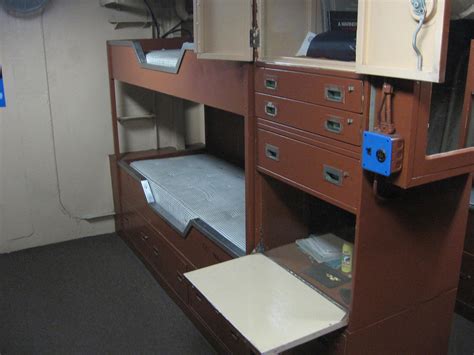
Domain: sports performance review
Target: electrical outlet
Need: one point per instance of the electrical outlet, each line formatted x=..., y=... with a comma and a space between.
x=382, y=153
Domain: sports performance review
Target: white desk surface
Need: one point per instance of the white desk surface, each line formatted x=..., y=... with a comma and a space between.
x=271, y=308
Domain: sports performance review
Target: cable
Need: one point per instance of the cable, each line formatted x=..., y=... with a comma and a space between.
x=178, y=30
x=172, y=29
x=153, y=17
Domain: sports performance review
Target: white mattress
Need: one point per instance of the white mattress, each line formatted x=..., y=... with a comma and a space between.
x=168, y=58
x=199, y=186
x=164, y=58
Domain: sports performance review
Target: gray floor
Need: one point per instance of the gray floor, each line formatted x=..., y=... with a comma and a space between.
x=93, y=296
x=89, y=296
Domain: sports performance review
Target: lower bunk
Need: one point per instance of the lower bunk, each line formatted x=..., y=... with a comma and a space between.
x=197, y=219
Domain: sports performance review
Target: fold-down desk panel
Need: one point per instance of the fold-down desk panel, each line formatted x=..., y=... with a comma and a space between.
x=220, y=84
x=270, y=307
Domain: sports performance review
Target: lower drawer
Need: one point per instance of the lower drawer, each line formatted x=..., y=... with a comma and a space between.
x=218, y=325
x=158, y=253
x=202, y=251
x=325, y=174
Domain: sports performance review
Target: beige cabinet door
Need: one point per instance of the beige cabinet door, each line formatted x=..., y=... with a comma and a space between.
x=386, y=37
x=222, y=29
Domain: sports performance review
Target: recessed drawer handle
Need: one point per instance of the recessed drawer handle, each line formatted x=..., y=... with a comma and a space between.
x=334, y=93
x=271, y=83
x=333, y=175
x=234, y=336
x=271, y=109
x=272, y=152
x=156, y=251
x=333, y=125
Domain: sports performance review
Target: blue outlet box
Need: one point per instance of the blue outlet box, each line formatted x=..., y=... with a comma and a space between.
x=2, y=94
x=382, y=153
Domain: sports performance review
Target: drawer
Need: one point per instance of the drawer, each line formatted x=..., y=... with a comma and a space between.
x=202, y=251
x=341, y=93
x=165, y=260
x=329, y=122
x=466, y=280
x=330, y=176
x=139, y=238
x=218, y=325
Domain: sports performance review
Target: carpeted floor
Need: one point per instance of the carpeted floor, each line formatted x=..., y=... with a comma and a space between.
x=88, y=296
x=93, y=296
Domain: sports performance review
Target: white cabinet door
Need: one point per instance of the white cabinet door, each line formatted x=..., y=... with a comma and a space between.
x=385, y=36
x=222, y=29
x=271, y=308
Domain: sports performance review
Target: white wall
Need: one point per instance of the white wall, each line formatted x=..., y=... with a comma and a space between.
x=55, y=134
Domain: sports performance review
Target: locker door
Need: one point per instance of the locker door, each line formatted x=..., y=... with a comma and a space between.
x=387, y=34
x=222, y=29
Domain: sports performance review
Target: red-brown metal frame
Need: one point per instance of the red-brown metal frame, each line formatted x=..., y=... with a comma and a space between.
x=428, y=168
x=220, y=84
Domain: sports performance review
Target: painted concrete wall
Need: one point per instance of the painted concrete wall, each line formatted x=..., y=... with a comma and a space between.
x=55, y=134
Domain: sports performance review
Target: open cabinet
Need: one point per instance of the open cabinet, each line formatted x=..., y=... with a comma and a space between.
x=296, y=289
x=363, y=36
x=380, y=45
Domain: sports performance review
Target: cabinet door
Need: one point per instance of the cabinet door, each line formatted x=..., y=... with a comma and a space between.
x=222, y=29
x=385, y=34
x=272, y=309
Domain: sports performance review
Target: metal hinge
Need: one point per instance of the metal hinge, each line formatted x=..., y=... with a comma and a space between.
x=254, y=37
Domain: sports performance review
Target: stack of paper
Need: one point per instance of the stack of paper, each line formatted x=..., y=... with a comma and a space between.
x=323, y=248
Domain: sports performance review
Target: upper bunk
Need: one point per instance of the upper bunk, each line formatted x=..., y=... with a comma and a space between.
x=170, y=66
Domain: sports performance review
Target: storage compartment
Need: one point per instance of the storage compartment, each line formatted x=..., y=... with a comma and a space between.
x=304, y=269
x=309, y=237
x=327, y=175
x=389, y=39
x=285, y=27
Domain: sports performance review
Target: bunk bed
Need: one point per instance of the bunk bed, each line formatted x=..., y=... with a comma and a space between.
x=193, y=192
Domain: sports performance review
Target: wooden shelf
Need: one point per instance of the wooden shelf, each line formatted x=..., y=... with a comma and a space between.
x=161, y=153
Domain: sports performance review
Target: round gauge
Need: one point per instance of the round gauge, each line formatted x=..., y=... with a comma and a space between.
x=24, y=7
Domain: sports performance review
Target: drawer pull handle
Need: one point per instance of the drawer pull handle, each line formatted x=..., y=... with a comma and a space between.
x=334, y=94
x=179, y=277
x=216, y=257
x=333, y=125
x=156, y=251
x=145, y=237
x=465, y=276
x=271, y=109
x=272, y=152
x=271, y=83
x=333, y=175
x=234, y=336
x=199, y=299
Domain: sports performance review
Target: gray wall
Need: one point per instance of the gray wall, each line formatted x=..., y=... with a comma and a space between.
x=55, y=133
